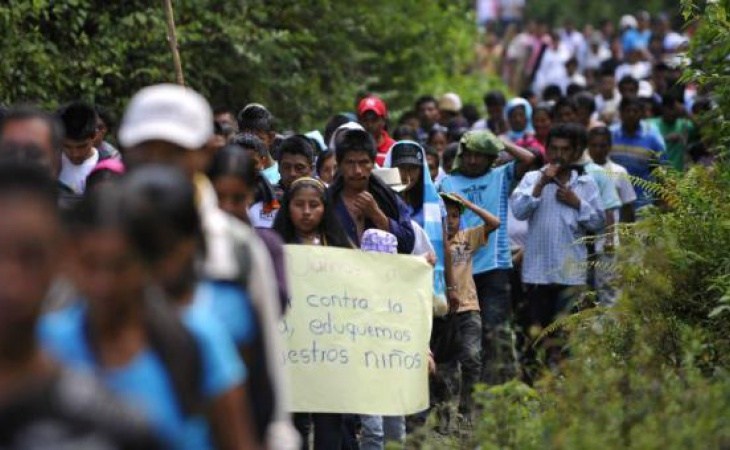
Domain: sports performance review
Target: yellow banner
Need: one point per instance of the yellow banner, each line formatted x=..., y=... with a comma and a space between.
x=357, y=332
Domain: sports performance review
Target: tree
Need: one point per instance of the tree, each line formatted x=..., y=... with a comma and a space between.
x=305, y=60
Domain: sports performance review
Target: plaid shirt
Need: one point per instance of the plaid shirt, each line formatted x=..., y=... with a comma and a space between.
x=552, y=255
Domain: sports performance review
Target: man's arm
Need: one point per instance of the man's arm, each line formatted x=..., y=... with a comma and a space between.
x=491, y=222
x=526, y=198
x=523, y=157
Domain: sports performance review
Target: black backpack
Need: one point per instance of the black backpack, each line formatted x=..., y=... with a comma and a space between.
x=176, y=347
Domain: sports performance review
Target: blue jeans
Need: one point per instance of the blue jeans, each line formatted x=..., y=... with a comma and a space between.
x=378, y=429
x=499, y=359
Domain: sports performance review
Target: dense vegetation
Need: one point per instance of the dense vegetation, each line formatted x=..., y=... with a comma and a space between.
x=653, y=372
x=305, y=60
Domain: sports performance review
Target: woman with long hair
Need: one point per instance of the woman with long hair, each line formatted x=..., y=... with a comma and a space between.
x=308, y=218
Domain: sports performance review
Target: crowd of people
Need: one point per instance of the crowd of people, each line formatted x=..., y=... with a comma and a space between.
x=142, y=286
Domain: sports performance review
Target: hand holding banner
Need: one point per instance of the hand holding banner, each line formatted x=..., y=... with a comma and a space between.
x=358, y=330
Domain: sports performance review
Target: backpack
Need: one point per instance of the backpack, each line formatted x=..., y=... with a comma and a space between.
x=176, y=347
x=261, y=398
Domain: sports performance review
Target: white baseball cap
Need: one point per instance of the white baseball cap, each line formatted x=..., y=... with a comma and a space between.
x=167, y=112
x=628, y=21
x=450, y=102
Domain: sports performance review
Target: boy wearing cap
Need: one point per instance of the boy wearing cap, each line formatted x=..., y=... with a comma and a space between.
x=449, y=108
x=474, y=178
x=461, y=245
x=371, y=113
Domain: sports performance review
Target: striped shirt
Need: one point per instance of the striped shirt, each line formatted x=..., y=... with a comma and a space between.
x=552, y=255
x=640, y=154
x=491, y=192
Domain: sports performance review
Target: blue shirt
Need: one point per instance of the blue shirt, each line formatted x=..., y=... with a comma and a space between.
x=640, y=154
x=491, y=192
x=272, y=173
x=222, y=366
x=553, y=254
x=633, y=39
x=143, y=383
x=418, y=216
x=231, y=306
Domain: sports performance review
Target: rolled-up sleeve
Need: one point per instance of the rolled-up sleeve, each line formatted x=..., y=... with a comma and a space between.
x=522, y=201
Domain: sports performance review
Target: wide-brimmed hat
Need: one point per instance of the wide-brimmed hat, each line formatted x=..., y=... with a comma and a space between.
x=391, y=177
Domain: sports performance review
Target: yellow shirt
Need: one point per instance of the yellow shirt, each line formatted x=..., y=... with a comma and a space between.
x=462, y=246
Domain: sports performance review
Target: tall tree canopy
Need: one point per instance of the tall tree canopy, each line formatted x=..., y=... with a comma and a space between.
x=305, y=60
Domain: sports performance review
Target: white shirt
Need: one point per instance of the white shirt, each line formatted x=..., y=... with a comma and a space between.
x=640, y=70
x=594, y=60
x=552, y=68
x=608, y=107
x=74, y=176
x=575, y=42
x=260, y=218
x=517, y=230
x=422, y=244
x=620, y=176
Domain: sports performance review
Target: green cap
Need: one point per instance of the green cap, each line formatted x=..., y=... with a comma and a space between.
x=449, y=197
x=482, y=141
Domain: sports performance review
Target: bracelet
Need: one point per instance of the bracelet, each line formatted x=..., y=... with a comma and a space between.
x=450, y=288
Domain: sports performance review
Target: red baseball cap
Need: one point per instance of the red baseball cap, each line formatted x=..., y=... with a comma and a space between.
x=373, y=104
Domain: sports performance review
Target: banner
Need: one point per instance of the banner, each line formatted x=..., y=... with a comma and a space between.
x=357, y=331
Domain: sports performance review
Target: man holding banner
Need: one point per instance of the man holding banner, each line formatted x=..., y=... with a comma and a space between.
x=361, y=200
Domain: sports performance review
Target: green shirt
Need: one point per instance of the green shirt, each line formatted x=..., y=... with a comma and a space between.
x=677, y=137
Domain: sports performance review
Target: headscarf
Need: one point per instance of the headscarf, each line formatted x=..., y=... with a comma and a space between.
x=432, y=220
x=513, y=135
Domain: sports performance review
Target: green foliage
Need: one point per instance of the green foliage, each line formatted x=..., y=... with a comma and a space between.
x=708, y=53
x=305, y=60
x=592, y=12
x=653, y=371
x=509, y=418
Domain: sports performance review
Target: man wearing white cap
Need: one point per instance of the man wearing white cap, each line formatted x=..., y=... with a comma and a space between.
x=170, y=124
x=449, y=107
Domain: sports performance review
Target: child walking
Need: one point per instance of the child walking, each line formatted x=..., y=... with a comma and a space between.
x=462, y=243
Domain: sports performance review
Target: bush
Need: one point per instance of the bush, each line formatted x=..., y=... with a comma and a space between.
x=652, y=372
